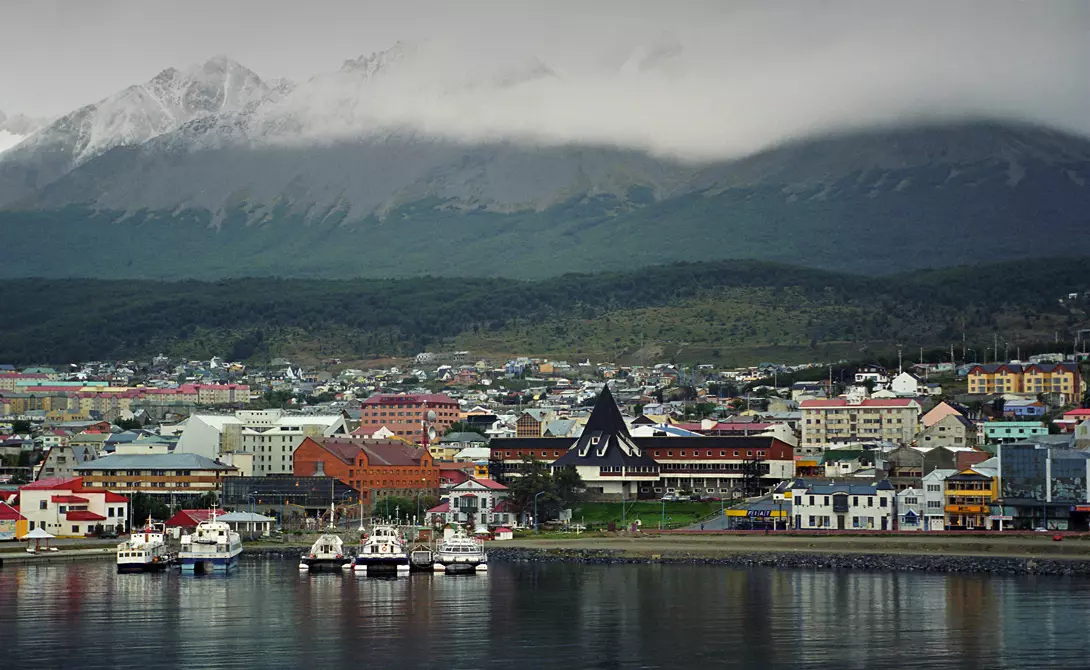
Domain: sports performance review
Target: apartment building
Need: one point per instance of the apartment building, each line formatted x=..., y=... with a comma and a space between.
x=843, y=506
x=1059, y=378
x=842, y=421
x=407, y=415
x=161, y=474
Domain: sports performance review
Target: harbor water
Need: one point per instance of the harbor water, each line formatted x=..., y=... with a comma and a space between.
x=268, y=615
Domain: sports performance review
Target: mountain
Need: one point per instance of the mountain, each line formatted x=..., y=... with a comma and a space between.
x=236, y=176
x=131, y=117
x=15, y=128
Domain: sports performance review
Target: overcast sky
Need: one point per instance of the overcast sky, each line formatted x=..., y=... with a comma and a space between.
x=768, y=67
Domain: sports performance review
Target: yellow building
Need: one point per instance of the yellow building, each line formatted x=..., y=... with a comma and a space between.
x=969, y=496
x=1060, y=378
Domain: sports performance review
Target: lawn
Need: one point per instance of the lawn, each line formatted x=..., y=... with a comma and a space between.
x=650, y=513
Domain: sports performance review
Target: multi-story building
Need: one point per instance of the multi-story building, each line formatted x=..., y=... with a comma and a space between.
x=910, y=509
x=1043, y=486
x=933, y=492
x=476, y=502
x=1035, y=378
x=67, y=507
x=373, y=468
x=61, y=461
x=407, y=415
x=996, y=432
x=842, y=506
x=842, y=421
x=532, y=422
x=969, y=497
x=159, y=474
x=271, y=436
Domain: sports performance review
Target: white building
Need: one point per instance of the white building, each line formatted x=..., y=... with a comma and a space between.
x=933, y=499
x=477, y=503
x=841, y=421
x=66, y=508
x=843, y=506
x=910, y=505
x=907, y=384
x=271, y=436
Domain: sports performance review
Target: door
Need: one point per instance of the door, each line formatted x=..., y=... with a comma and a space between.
x=885, y=523
x=840, y=521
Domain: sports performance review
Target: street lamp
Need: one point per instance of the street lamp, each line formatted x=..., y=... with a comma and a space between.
x=662, y=522
x=536, y=523
x=343, y=496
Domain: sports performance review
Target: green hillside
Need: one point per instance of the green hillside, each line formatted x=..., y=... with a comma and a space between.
x=726, y=311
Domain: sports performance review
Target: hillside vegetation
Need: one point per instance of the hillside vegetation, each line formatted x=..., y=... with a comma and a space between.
x=730, y=311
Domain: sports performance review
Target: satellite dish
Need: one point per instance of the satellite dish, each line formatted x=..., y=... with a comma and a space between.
x=431, y=416
x=431, y=433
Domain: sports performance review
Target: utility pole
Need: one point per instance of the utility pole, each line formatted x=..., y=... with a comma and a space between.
x=900, y=365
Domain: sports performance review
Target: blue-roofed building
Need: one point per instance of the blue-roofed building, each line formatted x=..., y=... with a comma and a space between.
x=846, y=506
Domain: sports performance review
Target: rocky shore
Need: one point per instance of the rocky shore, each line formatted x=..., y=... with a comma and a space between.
x=802, y=560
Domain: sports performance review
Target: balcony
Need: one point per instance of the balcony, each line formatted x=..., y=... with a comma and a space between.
x=970, y=493
x=967, y=509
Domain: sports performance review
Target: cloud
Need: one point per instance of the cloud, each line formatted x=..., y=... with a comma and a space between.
x=730, y=84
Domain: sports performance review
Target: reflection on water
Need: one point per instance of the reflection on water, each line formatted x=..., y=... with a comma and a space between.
x=268, y=615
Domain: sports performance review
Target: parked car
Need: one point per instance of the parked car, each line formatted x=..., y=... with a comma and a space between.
x=670, y=497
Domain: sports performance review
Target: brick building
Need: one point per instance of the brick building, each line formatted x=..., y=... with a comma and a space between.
x=374, y=468
x=406, y=415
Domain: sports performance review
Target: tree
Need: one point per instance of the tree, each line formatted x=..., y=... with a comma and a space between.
x=145, y=505
x=128, y=424
x=560, y=488
x=20, y=426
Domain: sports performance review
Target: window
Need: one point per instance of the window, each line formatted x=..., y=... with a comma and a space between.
x=75, y=528
x=855, y=501
x=882, y=502
x=41, y=504
x=870, y=501
x=811, y=522
x=811, y=500
x=826, y=502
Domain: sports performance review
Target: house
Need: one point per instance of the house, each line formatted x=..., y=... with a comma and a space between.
x=952, y=430
x=1023, y=409
x=62, y=459
x=479, y=503
x=843, y=462
x=807, y=391
x=446, y=447
x=373, y=468
x=969, y=498
x=907, y=384
x=66, y=507
x=843, y=506
x=995, y=432
x=933, y=489
x=873, y=374
x=156, y=474
x=531, y=423
x=910, y=508
x=906, y=466
x=1035, y=378
x=373, y=432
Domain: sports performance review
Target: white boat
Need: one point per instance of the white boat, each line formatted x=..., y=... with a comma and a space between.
x=382, y=551
x=327, y=553
x=211, y=547
x=145, y=551
x=460, y=553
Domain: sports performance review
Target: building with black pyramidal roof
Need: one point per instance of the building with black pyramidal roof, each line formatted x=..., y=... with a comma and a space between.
x=605, y=455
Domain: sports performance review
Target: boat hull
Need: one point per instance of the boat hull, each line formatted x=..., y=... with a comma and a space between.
x=143, y=567
x=382, y=565
x=208, y=564
x=325, y=564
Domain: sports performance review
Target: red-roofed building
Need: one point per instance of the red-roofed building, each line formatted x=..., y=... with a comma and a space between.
x=65, y=507
x=189, y=518
x=406, y=415
x=475, y=503
x=839, y=421
x=375, y=468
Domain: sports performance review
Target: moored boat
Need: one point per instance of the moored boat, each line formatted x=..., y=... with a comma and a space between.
x=145, y=551
x=382, y=551
x=211, y=547
x=459, y=552
x=327, y=553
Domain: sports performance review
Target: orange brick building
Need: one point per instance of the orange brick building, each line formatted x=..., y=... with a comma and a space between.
x=375, y=468
x=404, y=415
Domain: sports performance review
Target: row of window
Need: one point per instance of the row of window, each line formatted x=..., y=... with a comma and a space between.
x=882, y=502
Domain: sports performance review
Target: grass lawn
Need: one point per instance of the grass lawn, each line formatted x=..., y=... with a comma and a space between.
x=650, y=513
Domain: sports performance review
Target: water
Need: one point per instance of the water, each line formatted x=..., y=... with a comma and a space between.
x=526, y=616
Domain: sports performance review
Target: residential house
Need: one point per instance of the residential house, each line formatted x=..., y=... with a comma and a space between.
x=1036, y=378
x=1023, y=409
x=873, y=374
x=478, y=503
x=532, y=422
x=61, y=461
x=843, y=506
x=995, y=432
x=933, y=490
x=844, y=462
x=907, y=384
x=66, y=507
x=445, y=448
x=952, y=430
x=910, y=509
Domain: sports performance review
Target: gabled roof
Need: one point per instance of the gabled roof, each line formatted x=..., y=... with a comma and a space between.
x=606, y=440
x=9, y=513
x=440, y=509
x=175, y=461
x=83, y=515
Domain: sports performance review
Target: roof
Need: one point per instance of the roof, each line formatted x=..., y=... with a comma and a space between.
x=175, y=461
x=54, y=483
x=417, y=398
x=9, y=513
x=606, y=441
x=68, y=499
x=465, y=436
x=379, y=452
x=440, y=509
x=868, y=402
x=490, y=484
x=192, y=517
x=851, y=489
x=83, y=515
x=112, y=497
